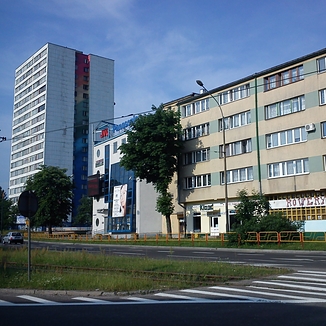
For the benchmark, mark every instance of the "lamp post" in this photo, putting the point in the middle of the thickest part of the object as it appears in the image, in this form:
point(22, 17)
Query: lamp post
point(227, 216)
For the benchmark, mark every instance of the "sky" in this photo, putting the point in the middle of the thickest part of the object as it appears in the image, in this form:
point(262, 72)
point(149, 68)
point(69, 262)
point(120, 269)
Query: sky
point(160, 47)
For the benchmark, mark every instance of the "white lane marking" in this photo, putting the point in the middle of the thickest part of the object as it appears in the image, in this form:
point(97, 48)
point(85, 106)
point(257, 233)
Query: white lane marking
point(176, 296)
point(298, 278)
point(203, 252)
point(128, 253)
point(140, 299)
point(35, 299)
point(315, 288)
point(313, 272)
point(294, 259)
point(244, 254)
point(225, 295)
point(93, 300)
point(5, 303)
point(268, 294)
point(286, 290)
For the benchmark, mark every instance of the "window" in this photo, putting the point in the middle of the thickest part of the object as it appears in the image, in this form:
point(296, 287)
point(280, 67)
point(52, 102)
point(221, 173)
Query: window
point(285, 107)
point(196, 156)
point(86, 69)
point(85, 87)
point(283, 78)
point(196, 131)
point(86, 78)
point(322, 97)
point(115, 147)
point(85, 95)
point(282, 169)
point(238, 175)
point(236, 148)
point(286, 137)
point(321, 64)
point(198, 181)
point(323, 129)
point(234, 121)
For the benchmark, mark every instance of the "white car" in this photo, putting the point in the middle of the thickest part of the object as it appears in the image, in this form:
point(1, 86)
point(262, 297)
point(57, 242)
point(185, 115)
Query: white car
point(13, 237)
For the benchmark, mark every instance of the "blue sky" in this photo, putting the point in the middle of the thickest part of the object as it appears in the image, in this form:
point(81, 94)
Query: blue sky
point(160, 47)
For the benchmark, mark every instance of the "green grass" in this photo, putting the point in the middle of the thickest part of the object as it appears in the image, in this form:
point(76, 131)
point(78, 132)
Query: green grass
point(69, 270)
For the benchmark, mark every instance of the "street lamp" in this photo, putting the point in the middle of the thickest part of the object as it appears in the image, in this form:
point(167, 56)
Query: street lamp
point(227, 216)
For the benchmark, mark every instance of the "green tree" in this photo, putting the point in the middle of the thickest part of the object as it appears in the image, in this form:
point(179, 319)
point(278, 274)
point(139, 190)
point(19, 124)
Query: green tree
point(252, 215)
point(84, 211)
point(53, 189)
point(6, 220)
point(152, 151)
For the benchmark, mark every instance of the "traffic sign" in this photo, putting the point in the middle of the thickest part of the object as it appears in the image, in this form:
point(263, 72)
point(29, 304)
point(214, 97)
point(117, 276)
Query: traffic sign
point(27, 203)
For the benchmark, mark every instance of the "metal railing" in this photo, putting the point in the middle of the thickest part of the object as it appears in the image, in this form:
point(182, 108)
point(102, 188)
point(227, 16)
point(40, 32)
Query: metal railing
point(163, 239)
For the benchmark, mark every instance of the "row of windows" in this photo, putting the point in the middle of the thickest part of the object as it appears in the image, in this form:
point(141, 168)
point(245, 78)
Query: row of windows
point(29, 72)
point(27, 160)
point(29, 106)
point(28, 133)
point(286, 137)
point(30, 97)
point(30, 63)
point(29, 150)
point(196, 131)
point(283, 78)
point(28, 89)
point(17, 181)
point(29, 114)
point(25, 143)
point(234, 94)
point(197, 156)
point(24, 170)
point(236, 148)
point(196, 107)
point(29, 123)
point(234, 121)
point(281, 169)
point(198, 181)
point(295, 104)
point(31, 79)
point(238, 175)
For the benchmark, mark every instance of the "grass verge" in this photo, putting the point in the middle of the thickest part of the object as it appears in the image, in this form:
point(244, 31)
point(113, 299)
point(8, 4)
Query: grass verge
point(68, 270)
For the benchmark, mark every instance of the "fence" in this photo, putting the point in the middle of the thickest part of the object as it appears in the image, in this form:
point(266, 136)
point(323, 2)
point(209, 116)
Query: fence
point(200, 238)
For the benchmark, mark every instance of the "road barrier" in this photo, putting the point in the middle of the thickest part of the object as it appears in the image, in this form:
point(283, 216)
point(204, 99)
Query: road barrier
point(192, 238)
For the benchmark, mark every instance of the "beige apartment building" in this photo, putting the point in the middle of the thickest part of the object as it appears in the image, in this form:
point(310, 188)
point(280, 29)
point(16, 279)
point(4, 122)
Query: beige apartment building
point(275, 143)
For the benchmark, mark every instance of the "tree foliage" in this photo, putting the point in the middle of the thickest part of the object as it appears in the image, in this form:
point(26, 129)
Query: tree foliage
point(252, 215)
point(7, 220)
point(84, 212)
point(152, 151)
point(53, 189)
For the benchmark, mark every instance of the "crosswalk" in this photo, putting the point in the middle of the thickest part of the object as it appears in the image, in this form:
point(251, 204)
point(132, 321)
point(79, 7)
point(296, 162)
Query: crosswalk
point(299, 287)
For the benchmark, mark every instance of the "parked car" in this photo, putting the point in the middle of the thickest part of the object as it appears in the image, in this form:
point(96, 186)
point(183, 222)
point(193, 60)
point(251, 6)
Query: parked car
point(13, 237)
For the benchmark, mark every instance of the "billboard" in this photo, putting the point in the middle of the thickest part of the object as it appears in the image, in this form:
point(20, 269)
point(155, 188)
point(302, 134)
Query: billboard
point(119, 200)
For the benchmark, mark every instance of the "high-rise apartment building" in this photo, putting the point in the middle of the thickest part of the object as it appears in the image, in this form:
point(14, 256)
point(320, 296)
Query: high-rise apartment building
point(275, 133)
point(59, 94)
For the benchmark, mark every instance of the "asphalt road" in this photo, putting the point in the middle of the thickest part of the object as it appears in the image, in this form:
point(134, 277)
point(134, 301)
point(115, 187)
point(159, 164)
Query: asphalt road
point(166, 314)
point(293, 259)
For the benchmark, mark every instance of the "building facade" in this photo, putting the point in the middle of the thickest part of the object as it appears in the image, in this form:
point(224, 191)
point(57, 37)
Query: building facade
point(59, 93)
point(122, 204)
point(275, 140)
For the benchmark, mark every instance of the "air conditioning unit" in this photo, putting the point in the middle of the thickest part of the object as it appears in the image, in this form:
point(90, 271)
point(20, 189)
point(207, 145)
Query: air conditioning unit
point(310, 127)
